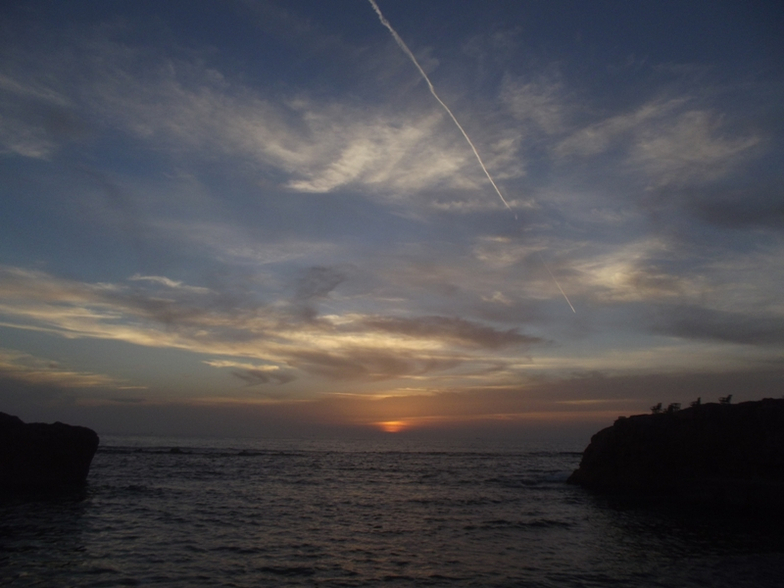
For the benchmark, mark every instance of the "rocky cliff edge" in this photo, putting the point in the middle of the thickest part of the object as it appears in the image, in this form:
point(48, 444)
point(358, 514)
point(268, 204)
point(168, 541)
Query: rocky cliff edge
point(721, 454)
point(44, 456)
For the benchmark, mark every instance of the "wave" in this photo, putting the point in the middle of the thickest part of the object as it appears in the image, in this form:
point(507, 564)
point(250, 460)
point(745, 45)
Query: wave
point(534, 524)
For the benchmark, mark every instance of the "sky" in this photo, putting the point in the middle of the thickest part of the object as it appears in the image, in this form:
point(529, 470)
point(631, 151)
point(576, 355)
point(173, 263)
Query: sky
point(254, 218)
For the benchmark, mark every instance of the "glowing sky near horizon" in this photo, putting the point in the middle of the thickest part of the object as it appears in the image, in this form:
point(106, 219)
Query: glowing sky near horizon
point(253, 211)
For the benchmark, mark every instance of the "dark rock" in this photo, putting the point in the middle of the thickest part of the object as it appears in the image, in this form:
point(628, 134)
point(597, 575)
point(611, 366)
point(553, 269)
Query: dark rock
point(719, 454)
point(44, 456)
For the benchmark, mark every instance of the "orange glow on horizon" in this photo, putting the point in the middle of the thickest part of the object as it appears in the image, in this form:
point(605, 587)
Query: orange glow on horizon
point(392, 426)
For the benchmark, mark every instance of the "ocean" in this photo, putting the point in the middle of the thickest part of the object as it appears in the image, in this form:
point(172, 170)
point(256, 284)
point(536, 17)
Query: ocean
point(389, 512)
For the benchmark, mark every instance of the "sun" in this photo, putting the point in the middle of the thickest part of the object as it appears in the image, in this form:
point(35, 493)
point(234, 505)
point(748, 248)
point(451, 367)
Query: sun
point(392, 426)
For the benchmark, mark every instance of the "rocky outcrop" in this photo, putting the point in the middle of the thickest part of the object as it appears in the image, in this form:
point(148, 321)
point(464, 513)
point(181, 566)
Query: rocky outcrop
point(712, 453)
point(44, 456)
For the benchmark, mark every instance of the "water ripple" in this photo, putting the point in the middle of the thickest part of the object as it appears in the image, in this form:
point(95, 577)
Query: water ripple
point(239, 514)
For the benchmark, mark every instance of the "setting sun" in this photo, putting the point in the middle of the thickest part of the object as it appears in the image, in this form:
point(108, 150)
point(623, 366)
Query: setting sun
point(392, 426)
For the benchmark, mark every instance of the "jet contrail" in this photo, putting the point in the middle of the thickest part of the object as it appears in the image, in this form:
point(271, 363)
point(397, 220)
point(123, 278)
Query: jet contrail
point(413, 59)
point(547, 267)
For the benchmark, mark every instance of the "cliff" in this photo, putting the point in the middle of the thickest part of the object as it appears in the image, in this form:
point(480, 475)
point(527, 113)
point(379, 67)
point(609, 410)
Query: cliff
point(44, 456)
point(712, 453)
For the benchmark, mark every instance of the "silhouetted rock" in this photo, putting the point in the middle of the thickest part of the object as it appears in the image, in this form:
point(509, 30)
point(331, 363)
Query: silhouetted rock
point(718, 454)
point(44, 456)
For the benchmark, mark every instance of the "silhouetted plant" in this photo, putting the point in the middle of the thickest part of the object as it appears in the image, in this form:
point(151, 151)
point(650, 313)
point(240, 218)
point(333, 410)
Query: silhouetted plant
point(674, 407)
point(697, 402)
point(725, 399)
point(656, 409)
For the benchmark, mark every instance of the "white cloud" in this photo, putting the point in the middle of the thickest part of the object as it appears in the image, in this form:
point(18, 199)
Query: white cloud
point(541, 104)
point(501, 252)
point(664, 139)
point(602, 136)
point(227, 363)
point(169, 283)
point(636, 271)
point(310, 145)
point(399, 155)
point(690, 147)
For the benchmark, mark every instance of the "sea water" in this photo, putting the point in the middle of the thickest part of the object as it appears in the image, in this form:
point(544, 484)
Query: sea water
point(396, 512)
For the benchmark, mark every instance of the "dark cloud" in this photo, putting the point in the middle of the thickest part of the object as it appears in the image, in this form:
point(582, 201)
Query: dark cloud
point(694, 322)
point(370, 364)
point(189, 310)
point(721, 206)
point(455, 330)
point(60, 123)
point(318, 281)
point(35, 126)
point(638, 392)
point(168, 312)
point(751, 207)
point(254, 377)
point(21, 395)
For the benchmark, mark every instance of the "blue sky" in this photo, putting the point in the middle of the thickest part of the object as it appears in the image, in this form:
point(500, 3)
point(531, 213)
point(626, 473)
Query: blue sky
point(253, 217)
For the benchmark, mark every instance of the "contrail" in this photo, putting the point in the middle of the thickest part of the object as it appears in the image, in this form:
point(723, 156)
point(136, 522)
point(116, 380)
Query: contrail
point(413, 59)
point(547, 267)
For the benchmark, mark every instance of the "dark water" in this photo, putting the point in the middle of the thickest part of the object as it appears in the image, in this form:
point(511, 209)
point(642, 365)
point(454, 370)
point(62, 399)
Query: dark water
point(239, 513)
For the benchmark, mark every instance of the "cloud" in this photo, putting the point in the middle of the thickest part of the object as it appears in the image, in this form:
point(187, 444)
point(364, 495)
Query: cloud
point(169, 283)
point(642, 270)
point(744, 328)
point(254, 375)
point(165, 313)
point(635, 392)
point(600, 137)
point(372, 364)
point(184, 107)
point(229, 244)
point(456, 330)
point(35, 119)
point(318, 282)
point(401, 154)
point(758, 205)
point(540, 105)
point(693, 147)
point(312, 287)
point(30, 370)
point(670, 142)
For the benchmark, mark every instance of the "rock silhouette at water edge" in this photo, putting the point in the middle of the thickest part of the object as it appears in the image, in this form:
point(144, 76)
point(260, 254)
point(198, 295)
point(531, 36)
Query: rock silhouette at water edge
point(715, 454)
point(39, 456)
